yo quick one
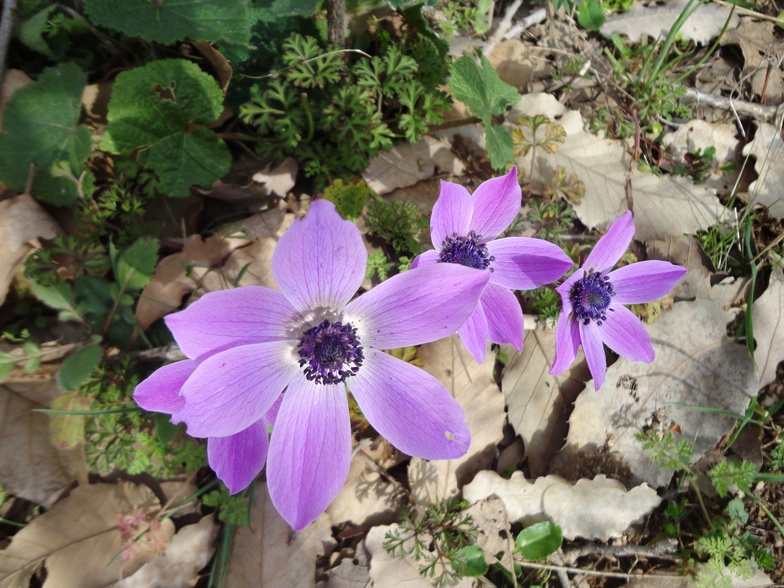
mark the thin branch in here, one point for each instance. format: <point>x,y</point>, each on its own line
<point>6,26</point>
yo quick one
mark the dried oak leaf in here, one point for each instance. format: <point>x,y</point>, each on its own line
<point>768,332</point>
<point>768,150</point>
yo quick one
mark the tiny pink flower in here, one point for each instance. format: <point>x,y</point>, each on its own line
<point>593,297</point>
<point>464,230</point>
<point>246,346</point>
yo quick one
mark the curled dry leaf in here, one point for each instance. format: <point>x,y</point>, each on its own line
<point>22,222</point>
<point>473,386</point>
<point>663,206</point>
<point>537,402</point>
<point>89,539</point>
<point>768,314</point>
<point>758,41</point>
<point>696,364</point>
<point>768,150</point>
<point>591,509</point>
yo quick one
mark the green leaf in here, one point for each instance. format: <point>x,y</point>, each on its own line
<point>539,540</point>
<point>469,561</point>
<point>167,21</point>
<point>135,266</point>
<point>157,108</point>
<point>500,148</point>
<point>59,296</point>
<point>40,129</point>
<point>7,363</point>
<point>31,33</point>
<point>590,15</point>
<point>480,88</point>
<point>78,366</point>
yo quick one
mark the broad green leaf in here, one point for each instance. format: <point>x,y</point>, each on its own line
<point>59,296</point>
<point>78,366</point>
<point>480,88</point>
<point>469,561</point>
<point>590,15</point>
<point>135,265</point>
<point>167,21</point>
<point>539,540</point>
<point>31,33</point>
<point>67,431</point>
<point>158,108</point>
<point>7,363</point>
<point>500,148</point>
<point>40,130</point>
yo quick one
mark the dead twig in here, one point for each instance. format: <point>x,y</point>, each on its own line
<point>6,26</point>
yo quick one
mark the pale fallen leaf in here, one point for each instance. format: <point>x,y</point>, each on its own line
<point>591,509</point>
<point>494,534</point>
<point>280,180</point>
<point>22,221</point>
<point>768,150</point>
<point>392,572</point>
<point>657,20</point>
<point>30,466</point>
<point>654,580</point>
<point>768,330</point>
<point>759,42</point>
<point>351,572</point>
<point>408,164</point>
<point>685,251</point>
<point>472,385</point>
<point>189,551</point>
<point>80,542</point>
<point>696,364</point>
<point>537,402</point>
<point>509,59</point>
<point>663,206</point>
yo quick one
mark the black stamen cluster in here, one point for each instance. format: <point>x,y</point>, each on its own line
<point>330,352</point>
<point>468,251</point>
<point>591,297</point>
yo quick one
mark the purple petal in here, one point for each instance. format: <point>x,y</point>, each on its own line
<point>612,245</point>
<point>427,258</point>
<point>310,451</point>
<point>233,389</point>
<point>594,352</point>
<point>496,204</point>
<point>451,213</point>
<point>161,391</point>
<point>320,261</point>
<point>417,306</point>
<point>242,316</point>
<point>504,316</point>
<point>411,408</point>
<point>272,413</point>
<point>238,459</point>
<point>474,334</point>
<point>525,264</point>
<point>567,342</point>
<point>625,334</point>
<point>644,281</point>
<point>565,289</point>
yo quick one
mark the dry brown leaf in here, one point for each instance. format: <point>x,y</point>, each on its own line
<point>685,251</point>
<point>392,572</point>
<point>494,534</point>
<point>537,402</point>
<point>22,220</point>
<point>592,509</point>
<point>80,541</point>
<point>663,206</point>
<point>30,466</point>
<point>407,164</point>
<point>768,150</point>
<point>657,20</point>
<point>280,180</point>
<point>351,572</point>
<point>13,80</point>
<point>760,43</point>
<point>189,551</point>
<point>696,364</point>
<point>473,386</point>
<point>768,330</point>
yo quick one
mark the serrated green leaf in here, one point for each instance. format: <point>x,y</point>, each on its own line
<point>539,540</point>
<point>154,108</point>
<point>480,88</point>
<point>31,33</point>
<point>135,265</point>
<point>59,296</point>
<point>167,21</point>
<point>469,561</point>
<point>66,430</point>
<point>78,366</point>
<point>40,129</point>
<point>500,148</point>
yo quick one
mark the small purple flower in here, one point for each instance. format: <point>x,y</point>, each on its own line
<point>245,346</point>
<point>592,300</point>
<point>463,229</point>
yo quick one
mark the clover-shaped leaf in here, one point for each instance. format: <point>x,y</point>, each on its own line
<point>157,109</point>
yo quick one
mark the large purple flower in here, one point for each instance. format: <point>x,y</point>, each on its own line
<point>592,303</point>
<point>463,229</point>
<point>245,346</point>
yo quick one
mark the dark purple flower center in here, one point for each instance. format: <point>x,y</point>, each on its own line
<point>330,352</point>
<point>591,297</point>
<point>468,251</point>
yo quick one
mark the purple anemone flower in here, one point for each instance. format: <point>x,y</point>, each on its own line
<point>245,346</point>
<point>463,229</point>
<point>592,300</point>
